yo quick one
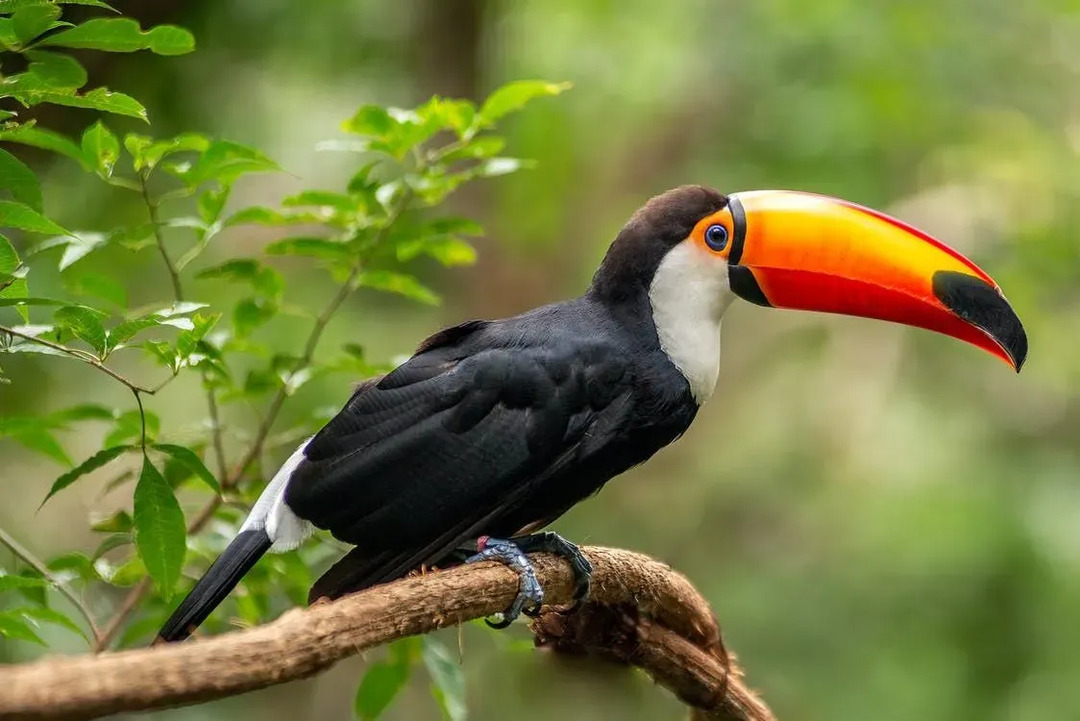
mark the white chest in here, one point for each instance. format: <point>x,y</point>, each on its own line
<point>689,295</point>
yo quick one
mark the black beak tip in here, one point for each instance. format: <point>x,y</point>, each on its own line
<point>983,306</point>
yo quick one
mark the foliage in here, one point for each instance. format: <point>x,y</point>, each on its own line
<point>363,235</point>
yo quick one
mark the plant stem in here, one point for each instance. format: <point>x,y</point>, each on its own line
<point>31,560</point>
<point>85,357</point>
<point>151,208</point>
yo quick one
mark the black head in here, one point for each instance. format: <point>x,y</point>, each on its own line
<point>657,227</point>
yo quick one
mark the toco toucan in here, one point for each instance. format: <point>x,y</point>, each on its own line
<point>494,428</point>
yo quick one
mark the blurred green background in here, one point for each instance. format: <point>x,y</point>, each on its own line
<point>887,522</point>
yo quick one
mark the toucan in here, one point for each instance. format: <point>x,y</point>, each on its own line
<point>494,428</point>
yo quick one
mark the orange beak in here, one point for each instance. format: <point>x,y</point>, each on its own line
<point>810,252</point>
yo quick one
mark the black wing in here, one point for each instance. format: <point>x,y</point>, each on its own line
<point>449,442</point>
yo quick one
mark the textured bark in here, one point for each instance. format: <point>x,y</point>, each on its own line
<point>641,612</point>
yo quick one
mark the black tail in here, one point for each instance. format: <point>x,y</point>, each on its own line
<point>212,588</point>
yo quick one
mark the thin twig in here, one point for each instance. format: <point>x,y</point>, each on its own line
<point>31,560</point>
<point>84,357</point>
<point>676,640</point>
<point>151,207</point>
<point>216,433</point>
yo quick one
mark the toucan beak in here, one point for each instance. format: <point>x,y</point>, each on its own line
<point>811,252</point>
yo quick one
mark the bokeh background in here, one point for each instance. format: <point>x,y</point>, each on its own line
<point>886,521</point>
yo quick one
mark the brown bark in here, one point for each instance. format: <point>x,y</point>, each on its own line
<point>641,612</point>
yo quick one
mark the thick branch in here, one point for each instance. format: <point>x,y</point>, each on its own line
<point>676,639</point>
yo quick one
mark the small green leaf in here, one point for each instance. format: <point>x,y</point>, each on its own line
<point>45,139</point>
<point>84,323</point>
<point>128,427</point>
<point>188,341</point>
<point>377,690</point>
<point>264,280</point>
<point>250,313</point>
<point>310,247</point>
<point>32,20</point>
<point>101,99</point>
<point>119,522</point>
<point>163,353</point>
<point>160,533</point>
<point>493,167</point>
<point>76,246</point>
<point>101,148</point>
<point>13,626</point>
<point>9,581</point>
<point>399,283</point>
<point>148,153</point>
<point>483,147</point>
<point>48,615</point>
<point>514,95</point>
<point>447,680</point>
<point>37,437</point>
<point>123,35</point>
<point>23,217</point>
<point>91,464</point>
<point>190,460</point>
<point>57,70</point>
<point>20,181</point>
<point>9,259</point>
<point>371,120</point>
<point>225,161</point>
<point>211,202</point>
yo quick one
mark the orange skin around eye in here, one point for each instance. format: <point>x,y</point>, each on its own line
<point>720,217</point>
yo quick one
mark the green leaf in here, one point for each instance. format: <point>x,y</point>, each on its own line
<point>128,427</point>
<point>309,247</point>
<point>119,522</point>
<point>37,437</point>
<point>447,680</point>
<point>101,148</point>
<point>32,20</point>
<point>20,181</point>
<point>48,615</point>
<point>211,202</point>
<point>483,147</point>
<point>76,246</point>
<point>514,95</point>
<point>190,460</point>
<point>13,626</point>
<point>250,313</point>
<point>399,283</point>
<point>225,161</point>
<point>45,139</point>
<point>101,99</point>
<point>123,35</point>
<point>84,323</point>
<point>385,679</point>
<point>9,581</point>
<point>493,167</point>
<point>371,120</point>
<point>188,341</point>
<point>9,259</point>
<point>160,533</point>
<point>91,464</point>
<point>264,280</point>
<point>148,153</point>
<point>56,70</point>
<point>23,217</point>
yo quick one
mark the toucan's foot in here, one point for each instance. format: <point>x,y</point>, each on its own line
<point>551,542</point>
<point>530,595</point>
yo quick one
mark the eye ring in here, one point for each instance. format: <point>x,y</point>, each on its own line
<point>716,237</point>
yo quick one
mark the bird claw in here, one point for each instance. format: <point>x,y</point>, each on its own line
<point>530,596</point>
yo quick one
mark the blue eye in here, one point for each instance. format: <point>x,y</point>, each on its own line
<point>716,237</point>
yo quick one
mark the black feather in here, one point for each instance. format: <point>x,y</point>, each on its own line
<point>237,559</point>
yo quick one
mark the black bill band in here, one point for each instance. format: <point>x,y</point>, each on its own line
<point>738,230</point>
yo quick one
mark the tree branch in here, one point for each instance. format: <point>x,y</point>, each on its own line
<point>648,615</point>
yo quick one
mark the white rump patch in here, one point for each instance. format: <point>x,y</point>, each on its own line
<point>270,512</point>
<point>689,294</point>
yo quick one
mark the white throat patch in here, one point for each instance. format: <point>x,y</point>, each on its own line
<point>689,295</point>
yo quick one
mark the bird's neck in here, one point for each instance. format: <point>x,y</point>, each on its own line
<point>688,299</point>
